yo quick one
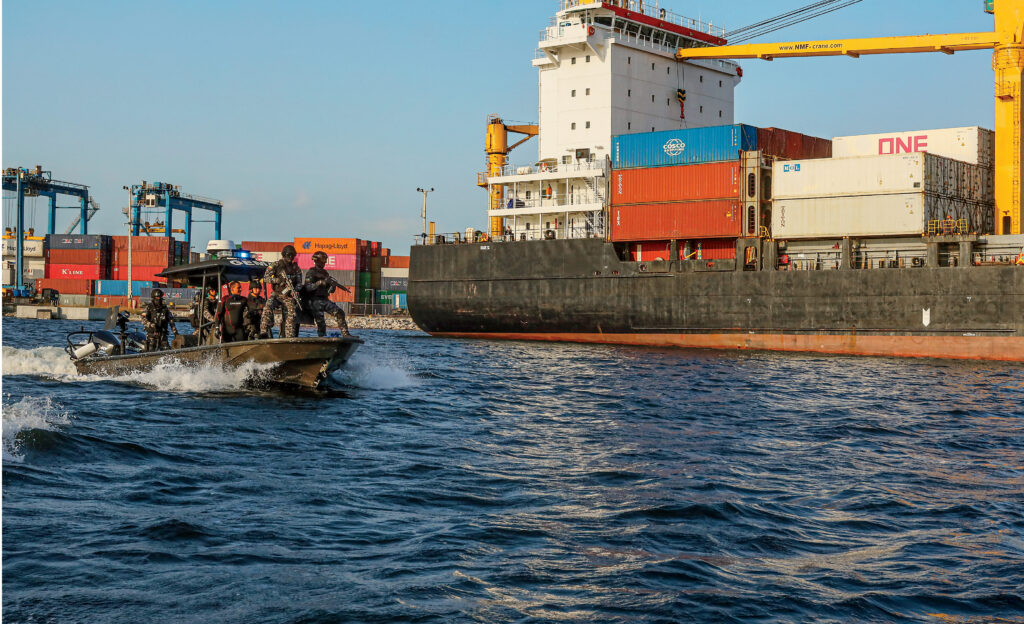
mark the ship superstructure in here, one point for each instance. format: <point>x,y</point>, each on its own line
<point>605,69</point>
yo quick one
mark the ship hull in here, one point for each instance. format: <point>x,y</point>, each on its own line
<point>581,291</point>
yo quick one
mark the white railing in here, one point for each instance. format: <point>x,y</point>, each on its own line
<point>564,169</point>
<point>651,9</point>
<point>573,199</point>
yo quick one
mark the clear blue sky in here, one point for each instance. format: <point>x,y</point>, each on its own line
<point>322,117</point>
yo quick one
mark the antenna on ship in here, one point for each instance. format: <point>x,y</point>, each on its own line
<point>423,211</point>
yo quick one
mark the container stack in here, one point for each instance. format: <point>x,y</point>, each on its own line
<point>33,260</point>
<point>347,262</point>
<point>73,264</point>
<point>688,186</point>
<point>265,251</point>
<point>394,278</point>
<point>150,255</point>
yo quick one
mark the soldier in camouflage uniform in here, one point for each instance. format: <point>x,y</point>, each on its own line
<point>203,315</point>
<point>157,321</point>
<point>286,278</point>
<point>255,304</point>
<point>319,285</point>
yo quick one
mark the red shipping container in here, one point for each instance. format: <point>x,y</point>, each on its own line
<point>275,246</point>
<point>398,262</point>
<point>792,145</point>
<point>77,271</point>
<point>340,296</point>
<point>719,218</point>
<point>142,258</point>
<point>708,249</point>
<point>145,243</point>
<point>649,250</point>
<point>79,256</point>
<point>66,286</point>
<point>141,273</point>
<point>651,185</point>
<point>335,262</point>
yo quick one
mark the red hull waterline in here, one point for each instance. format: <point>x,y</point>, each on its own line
<point>998,348</point>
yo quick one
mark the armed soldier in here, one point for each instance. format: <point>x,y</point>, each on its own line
<point>319,285</point>
<point>157,321</point>
<point>254,305</point>
<point>203,314</point>
<point>286,278</point>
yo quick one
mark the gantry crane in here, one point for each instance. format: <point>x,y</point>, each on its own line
<point>1008,62</point>
<point>170,198</point>
<point>38,183</point>
<point>497,149</point>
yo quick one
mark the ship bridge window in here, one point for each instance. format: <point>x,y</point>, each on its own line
<point>574,125</point>
<point>573,93</point>
<point>573,62</point>
<point>603,21</point>
<point>671,41</point>
<point>588,60</point>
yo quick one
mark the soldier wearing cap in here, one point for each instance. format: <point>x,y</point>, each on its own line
<point>285,277</point>
<point>157,321</point>
<point>318,287</point>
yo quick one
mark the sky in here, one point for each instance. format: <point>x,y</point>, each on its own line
<point>321,118</point>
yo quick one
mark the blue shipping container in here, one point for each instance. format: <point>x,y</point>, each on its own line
<point>682,147</point>
<point>398,300</point>
<point>119,288</point>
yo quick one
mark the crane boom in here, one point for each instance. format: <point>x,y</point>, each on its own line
<point>1008,62</point>
<point>848,47</point>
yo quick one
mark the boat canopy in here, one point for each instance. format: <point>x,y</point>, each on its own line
<point>219,270</point>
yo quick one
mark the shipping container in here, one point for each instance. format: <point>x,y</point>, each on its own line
<point>109,301</point>
<point>68,286</point>
<point>792,145</point>
<point>335,262</point>
<point>902,214</point>
<point>394,272</point>
<point>705,219</point>
<point>28,265</point>
<point>971,144</point>
<point>364,279</point>
<point>79,256</point>
<point>142,258</point>
<point>272,246</point>
<point>76,271</point>
<point>345,278</point>
<point>178,296</point>
<point>143,273</point>
<point>682,147</point>
<point>330,245</point>
<point>879,175</point>
<point>651,185</point>
<point>145,243</point>
<point>397,262</point>
<point>340,296</point>
<point>74,301</point>
<point>119,288</point>
<point>399,284</point>
<point>29,248</point>
<point>648,251</point>
<point>81,241</point>
<point>266,256</point>
<point>8,277</point>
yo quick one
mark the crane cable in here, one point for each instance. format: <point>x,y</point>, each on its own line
<point>787,19</point>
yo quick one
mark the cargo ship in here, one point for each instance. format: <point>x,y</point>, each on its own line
<point>651,218</point>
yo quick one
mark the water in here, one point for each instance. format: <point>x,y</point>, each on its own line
<point>462,481</point>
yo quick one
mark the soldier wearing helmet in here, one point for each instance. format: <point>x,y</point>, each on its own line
<point>157,321</point>
<point>318,287</point>
<point>285,277</point>
<point>254,304</point>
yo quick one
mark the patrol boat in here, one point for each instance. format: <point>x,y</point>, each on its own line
<point>301,362</point>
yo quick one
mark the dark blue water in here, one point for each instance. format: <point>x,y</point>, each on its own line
<point>462,481</point>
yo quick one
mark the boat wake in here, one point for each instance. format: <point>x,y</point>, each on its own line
<point>362,371</point>
<point>53,363</point>
<point>27,415</point>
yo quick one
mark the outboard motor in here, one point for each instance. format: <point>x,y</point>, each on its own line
<point>98,343</point>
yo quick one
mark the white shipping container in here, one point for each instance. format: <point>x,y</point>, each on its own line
<point>882,175</point>
<point>971,144</point>
<point>27,264</point>
<point>266,256</point>
<point>30,249</point>
<point>902,214</point>
<point>8,277</point>
<point>386,272</point>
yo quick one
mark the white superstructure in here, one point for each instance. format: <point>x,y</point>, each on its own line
<point>607,68</point>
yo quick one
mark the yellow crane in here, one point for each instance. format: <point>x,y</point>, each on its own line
<point>497,148</point>
<point>1008,62</point>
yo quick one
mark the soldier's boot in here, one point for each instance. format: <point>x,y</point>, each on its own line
<point>343,324</point>
<point>321,327</point>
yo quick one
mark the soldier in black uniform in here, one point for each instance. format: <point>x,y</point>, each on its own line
<point>286,278</point>
<point>319,285</point>
<point>233,315</point>
<point>157,321</point>
<point>254,307</point>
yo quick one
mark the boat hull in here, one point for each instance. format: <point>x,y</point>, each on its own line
<point>581,291</point>
<point>302,362</point>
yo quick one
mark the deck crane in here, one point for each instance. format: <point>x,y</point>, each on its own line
<point>497,149</point>
<point>1008,62</point>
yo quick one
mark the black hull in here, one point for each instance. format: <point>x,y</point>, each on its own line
<point>302,362</point>
<point>579,290</point>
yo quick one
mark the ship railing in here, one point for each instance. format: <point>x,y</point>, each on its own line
<point>947,227</point>
<point>874,259</point>
<point>582,166</point>
<point>655,10</point>
<point>573,199</point>
<point>519,234</point>
<point>999,254</point>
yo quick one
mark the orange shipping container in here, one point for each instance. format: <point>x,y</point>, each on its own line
<point>719,180</point>
<point>707,219</point>
<point>144,243</point>
<point>66,286</point>
<point>330,245</point>
<point>398,262</point>
<point>275,246</point>
<point>79,256</point>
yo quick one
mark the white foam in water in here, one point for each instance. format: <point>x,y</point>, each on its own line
<point>364,372</point>
<point>29,413</point>
<point>54,363</point>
